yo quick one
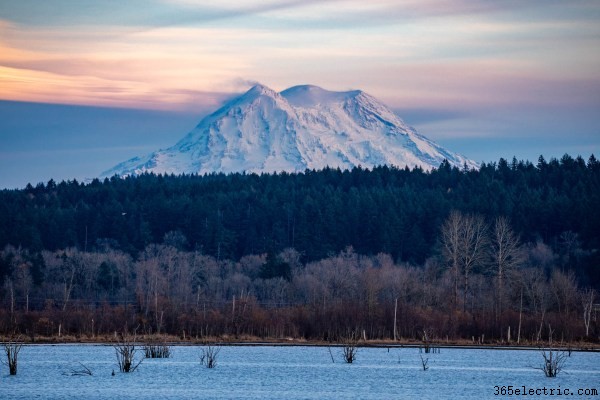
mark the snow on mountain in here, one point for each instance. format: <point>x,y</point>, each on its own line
<point>299,128</point>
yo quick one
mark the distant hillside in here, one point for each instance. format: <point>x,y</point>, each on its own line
<point>395,211</point>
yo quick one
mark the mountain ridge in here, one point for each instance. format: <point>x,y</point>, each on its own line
<point>302,127</point>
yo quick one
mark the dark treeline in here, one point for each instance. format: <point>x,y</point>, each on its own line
<point>395,211</point>
<point>309,254</point>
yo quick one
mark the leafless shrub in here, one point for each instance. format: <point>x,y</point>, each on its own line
<point>12,349</point>
<point>125,351</point>
<point>84,371</point>
<point>554,361</point>
<point>157,350</point>
<point>350,348</point>
<point>208,355</point>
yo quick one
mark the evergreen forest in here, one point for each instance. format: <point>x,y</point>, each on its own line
<point>508,252</point>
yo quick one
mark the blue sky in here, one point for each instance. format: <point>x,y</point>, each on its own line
<point>87,84</point>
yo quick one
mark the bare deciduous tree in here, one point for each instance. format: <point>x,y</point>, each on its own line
<point>587,299</point>
<point>464,242</point>
<point>474,242</point>
<point>451,233</point>
<point>19,283</point>
<point>151,284</point>
<point>564,289</point>
<point>506,254</point>
<point>537,293</point>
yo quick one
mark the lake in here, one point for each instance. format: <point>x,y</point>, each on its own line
<point>293,372</point>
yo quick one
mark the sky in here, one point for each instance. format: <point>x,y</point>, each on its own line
<point>87,84</point>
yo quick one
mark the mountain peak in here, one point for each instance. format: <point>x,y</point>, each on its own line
<point>257,91</point>
<point>311,95</point>
<point>259,88</point>
<point>302,127</point>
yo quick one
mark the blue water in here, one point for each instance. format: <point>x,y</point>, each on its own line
<point>269,372</point>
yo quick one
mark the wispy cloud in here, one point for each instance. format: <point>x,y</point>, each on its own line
<point>471,53</point>
<point>30,85</point>
<point>139,13</point>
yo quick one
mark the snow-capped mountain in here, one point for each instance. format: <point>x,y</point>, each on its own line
<point>299,128</point>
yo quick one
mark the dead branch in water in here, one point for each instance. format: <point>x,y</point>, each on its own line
<point>84,371</point>
<point>424,362</point>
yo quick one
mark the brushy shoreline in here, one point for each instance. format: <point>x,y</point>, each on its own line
<point>226,340</point>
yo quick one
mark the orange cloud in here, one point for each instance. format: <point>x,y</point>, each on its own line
<point>142,69</point>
